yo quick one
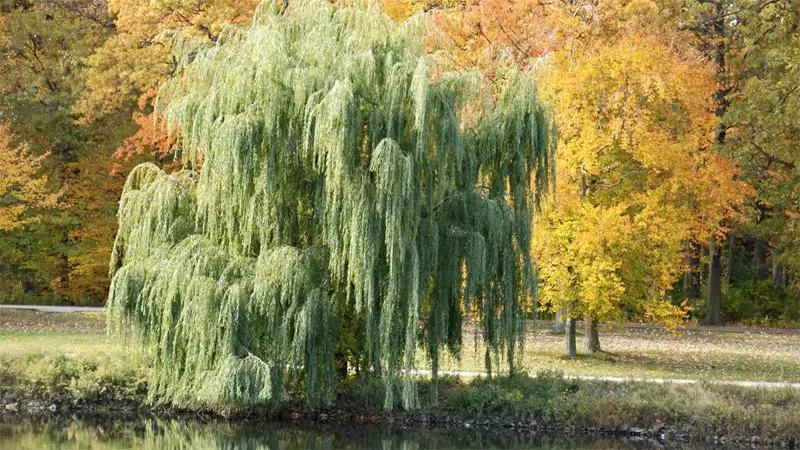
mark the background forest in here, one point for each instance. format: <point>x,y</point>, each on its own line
<point>678,142</point>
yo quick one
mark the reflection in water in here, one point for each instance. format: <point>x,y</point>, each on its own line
<point>183,434</point>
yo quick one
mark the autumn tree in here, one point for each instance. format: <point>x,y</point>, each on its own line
<point>23,189</point>
<point>150,38</point>
<point>43,46</point>
<point>752,44</point>
<point>636,118</point>
<point>344,174</point>
<point>24,195</point>
<point>762,124</point>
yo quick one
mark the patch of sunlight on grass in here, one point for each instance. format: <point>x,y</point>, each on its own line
<point>15,344</point>
<point>652,354</point>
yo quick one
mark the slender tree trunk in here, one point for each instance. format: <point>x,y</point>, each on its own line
<point>731,259</point>
<point>760,260</point>
<point>569,339</point>
<point>714,303</point>
<point>779,278</point>
<point>691,282</point>
<point>559,322</point>
<point>591,339</point>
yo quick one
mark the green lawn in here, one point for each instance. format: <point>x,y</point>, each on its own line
<point>627,353</point>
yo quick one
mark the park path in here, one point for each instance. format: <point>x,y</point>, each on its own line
<point>759,384</point>
<point>633,326</point>
<point>55,309</point>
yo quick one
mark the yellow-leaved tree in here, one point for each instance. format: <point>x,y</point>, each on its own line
<point>23,189</point>
<point>635,181</point>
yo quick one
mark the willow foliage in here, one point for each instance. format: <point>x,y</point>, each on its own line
<point>333,181</point>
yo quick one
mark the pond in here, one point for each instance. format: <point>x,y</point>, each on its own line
<point>187,434</point>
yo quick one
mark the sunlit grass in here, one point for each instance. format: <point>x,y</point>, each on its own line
<point>653,354</point>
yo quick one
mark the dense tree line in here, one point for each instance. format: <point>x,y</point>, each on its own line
<point>677,147</point>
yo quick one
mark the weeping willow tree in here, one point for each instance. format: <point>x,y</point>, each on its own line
<point>333,180</point>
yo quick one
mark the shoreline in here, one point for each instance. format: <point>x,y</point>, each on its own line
<point>468,412</point>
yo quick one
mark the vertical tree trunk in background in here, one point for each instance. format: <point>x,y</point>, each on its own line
<point>591,339</point>
<point>570,351</point>
<point>691,283</point>
<point>760,260</point>
<point>559,323</point>
<point>713,305</point>
<point>779,278</point>
<point>731,258</point>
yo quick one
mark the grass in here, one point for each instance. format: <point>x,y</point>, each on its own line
<point>66,356</point>
<point>627,353</point>
<point>700,410</point>
<point>654,354</point>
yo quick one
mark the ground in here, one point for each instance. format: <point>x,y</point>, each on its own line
<point>25,332</point>
<point>704,355</point>
<point>627,353</point>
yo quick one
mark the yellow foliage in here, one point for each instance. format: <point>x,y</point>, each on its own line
<point>22,188</point>
<point>635,179</point>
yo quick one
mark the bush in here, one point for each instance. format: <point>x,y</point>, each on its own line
<point>759,303</point>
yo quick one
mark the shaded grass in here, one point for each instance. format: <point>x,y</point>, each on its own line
<point>28,321</point>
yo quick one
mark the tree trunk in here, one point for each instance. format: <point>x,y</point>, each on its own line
<point>591,339</point>
<point>713,305</point>
<point>569,339</point>
<point>760,260</point>
<point>559,322</point>
<point>691,283</point>
<point>731,258</point>
<point>779,278</point>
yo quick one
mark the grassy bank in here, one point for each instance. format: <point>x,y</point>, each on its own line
<point>71,365</point>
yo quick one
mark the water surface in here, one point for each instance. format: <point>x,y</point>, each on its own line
<point>185,434</point>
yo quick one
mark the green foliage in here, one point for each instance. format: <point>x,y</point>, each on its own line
<point>330,167</point>
<point>760,303</point>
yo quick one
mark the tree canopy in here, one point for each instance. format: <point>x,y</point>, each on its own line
<point>336,180</point>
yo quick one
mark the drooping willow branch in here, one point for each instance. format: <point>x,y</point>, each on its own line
<point>342,189</point>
